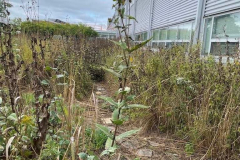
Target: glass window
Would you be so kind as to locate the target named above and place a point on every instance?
(224, 48)
(208, 27)
(184, 31)
(144, 36)
(227, 26)
(172, 33)
(156, 35)
(138, 37)
(163, 34)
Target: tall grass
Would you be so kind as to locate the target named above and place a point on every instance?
(193, 98)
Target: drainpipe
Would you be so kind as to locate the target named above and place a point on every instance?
(199, 21)
(150, 22)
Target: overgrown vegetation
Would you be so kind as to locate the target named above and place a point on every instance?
(192, 98)
(44, 79)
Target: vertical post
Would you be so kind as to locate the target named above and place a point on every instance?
(135, 15)
(199, 21)
(149, 35)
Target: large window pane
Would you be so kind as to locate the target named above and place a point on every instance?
(224, 48)
(184, 32)
(138, 38)
(227, 26)
(208, 27)
(156, 35)
(172, 33)
(144, 36)
(163, 34)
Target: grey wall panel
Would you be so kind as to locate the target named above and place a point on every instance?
(218, 6)
(142, 15)
(170, 12)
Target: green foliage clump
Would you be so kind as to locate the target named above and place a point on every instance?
(50, 29)
(96, 139)
(190, 96)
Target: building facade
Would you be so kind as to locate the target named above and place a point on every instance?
(215, 23)
(108, 34)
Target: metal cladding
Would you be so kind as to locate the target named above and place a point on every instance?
(220, 6)
(170, 12)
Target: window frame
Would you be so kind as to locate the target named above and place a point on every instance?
(141, 34)
(177, 34)
(219, 40)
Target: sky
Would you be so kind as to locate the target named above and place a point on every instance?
(72, 11)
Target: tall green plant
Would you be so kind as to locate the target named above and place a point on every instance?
(122, 72)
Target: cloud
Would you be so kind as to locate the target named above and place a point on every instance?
(75, 11)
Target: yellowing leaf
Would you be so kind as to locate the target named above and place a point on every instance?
(131, 59)
(27, 120)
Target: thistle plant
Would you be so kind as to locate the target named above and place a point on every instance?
(122, 71)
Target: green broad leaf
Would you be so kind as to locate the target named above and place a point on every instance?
(91, 157)
(60, 76)
(2, 123)
(0, 100)
(116, 20)
(48, 68)
(122, 104)
(131, 17)
(83, 156)
(1, 148)
(115, 115)
(122, 67)
(105, 152)
(118, 122)
(123, 45)
(130, 98)
(137, 106)
(108, 151)
(25, 139)
(108, 143)
(45, 82)
(127, 134)
(113, 72)
(139, 45)
(109, 100)
(105, 130)
(12, 117)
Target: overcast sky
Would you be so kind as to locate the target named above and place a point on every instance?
(74, 11)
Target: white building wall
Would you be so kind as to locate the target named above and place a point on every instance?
(142, 15)
(170, 12)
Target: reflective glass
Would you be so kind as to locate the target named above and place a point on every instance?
(156, 35)
(227, 26)
(184, 32)
(163, 34)
(172, 33)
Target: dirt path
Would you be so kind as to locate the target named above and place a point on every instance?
(142, 147)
